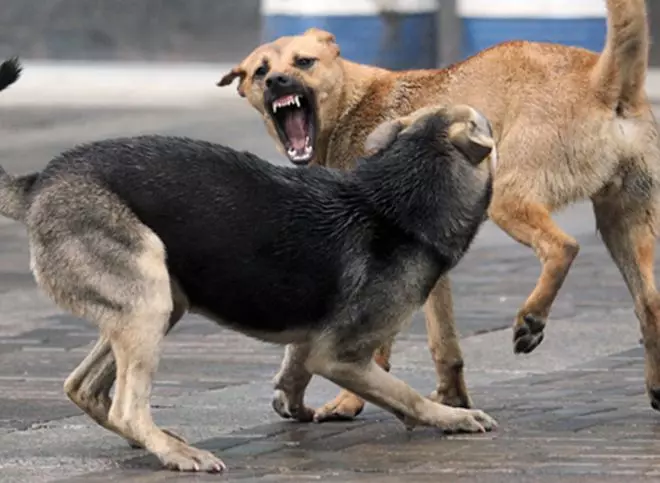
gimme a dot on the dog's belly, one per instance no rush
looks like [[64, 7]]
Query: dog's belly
[[290, 335], [252, 298]]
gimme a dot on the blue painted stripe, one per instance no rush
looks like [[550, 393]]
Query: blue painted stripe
[[406, 41], [481, 33]]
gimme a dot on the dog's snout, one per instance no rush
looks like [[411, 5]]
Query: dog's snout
[[277, 79]]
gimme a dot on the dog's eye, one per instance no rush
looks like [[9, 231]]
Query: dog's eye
[[305, 62], [261, 71]]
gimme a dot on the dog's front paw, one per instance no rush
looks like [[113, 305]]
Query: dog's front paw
[[283, 406], [470, 421], [527, 333], [181, 457]]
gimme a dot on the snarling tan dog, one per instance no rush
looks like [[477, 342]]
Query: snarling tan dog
[[570, 124]]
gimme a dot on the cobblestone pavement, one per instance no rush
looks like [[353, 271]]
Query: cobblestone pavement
[[573, 411]]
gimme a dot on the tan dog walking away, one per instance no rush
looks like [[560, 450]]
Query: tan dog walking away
[[570, 125]]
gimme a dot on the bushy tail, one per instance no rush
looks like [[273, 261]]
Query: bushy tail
[[620, 73], [13, 190]]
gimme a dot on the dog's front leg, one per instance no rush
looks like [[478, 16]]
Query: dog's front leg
[[444, 346], [290, 384], [374, 384]]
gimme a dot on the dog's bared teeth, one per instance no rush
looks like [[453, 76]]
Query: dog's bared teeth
[[274, 108], [296, 99]]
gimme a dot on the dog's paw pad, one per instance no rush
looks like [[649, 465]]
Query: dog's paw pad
[[528, 334]]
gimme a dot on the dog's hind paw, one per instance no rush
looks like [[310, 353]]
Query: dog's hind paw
[[527, 333], [282, 405], [345, 407]]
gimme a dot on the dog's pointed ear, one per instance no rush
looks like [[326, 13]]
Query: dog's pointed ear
[[471, 133], [229, 77], [383, 136], [324, 37]]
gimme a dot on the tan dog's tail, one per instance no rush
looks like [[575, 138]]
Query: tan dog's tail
[[620, 74]]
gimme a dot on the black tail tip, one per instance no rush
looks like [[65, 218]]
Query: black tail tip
[[10, 71]]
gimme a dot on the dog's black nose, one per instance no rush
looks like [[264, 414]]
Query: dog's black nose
[[276, 79]]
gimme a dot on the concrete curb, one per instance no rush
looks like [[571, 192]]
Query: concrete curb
[[152, 84]]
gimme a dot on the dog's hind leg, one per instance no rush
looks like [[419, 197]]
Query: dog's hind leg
[[88, 386], [444, 346], [371, 382], [136, 335], [99, 262], [90, 383], [347, 405], [290, 384], [628, 224]]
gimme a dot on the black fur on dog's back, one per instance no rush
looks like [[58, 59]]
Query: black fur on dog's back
[[269, 248]]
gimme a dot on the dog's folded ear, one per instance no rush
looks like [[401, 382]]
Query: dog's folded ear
[[471, 133], [383, 136], [324, 37], [229, 77]]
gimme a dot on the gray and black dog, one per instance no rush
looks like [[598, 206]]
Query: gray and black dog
[[132, 233]]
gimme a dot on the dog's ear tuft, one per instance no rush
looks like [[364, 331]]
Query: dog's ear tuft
[[229, 77], [471, 133], [383, 136], [324, 37]]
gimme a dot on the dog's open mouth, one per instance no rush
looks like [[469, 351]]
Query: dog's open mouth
[[294, 119]]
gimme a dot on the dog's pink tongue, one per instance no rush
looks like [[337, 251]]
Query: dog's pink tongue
[[294, 125]]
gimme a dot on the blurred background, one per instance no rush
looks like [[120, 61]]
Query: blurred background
[[395, 33]]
